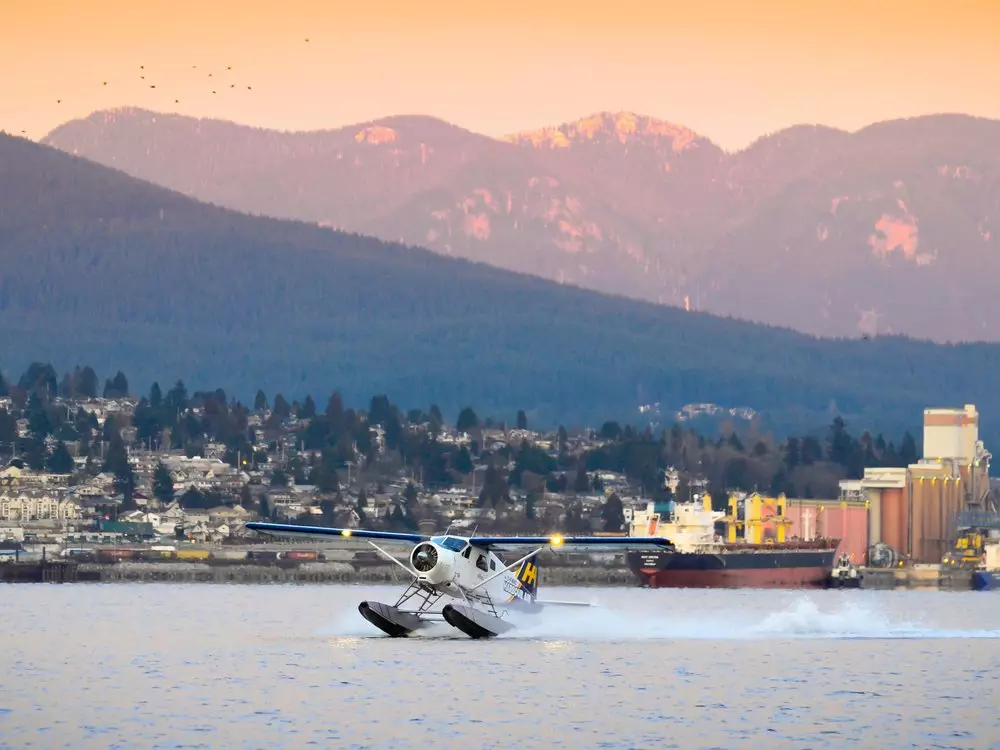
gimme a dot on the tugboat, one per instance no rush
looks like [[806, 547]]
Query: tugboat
[[986, 576], [845, 575]]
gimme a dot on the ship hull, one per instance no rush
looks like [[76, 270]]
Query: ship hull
[[770, 569]]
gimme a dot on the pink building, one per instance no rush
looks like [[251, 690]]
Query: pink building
[[831, 519]]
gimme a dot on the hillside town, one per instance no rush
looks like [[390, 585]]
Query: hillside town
[[83, 468]]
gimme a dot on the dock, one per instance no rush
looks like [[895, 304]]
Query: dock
[[917, 577]]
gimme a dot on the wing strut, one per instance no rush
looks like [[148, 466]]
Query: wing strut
[[387, 556]]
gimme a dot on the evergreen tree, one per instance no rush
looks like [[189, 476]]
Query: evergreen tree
[[610, 431], [308, 408], [39, 425], [613, 513], [155, 396], [163, 484], [281, 408], [462, 461], [40, 379], [4, 388], [467, 420], [335, 409], [908, 450], [177, 398], [61, 462], [86, 387], [260, 401], [8, 429], [522, 420], [116, 387], [410, 496], [193, 498], [117, 463], [36, 454]]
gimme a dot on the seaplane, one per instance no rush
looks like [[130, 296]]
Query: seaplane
[[481, 590]]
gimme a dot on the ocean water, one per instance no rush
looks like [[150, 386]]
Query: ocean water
[[216, 666]]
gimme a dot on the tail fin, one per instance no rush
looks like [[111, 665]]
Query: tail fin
[[527, 577]]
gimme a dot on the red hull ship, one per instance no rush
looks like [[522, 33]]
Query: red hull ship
[[701, 558], [788, 565]]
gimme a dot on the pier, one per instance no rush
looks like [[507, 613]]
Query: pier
[[43, 571]]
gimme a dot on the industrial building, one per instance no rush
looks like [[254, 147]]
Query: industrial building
[[915, 510]]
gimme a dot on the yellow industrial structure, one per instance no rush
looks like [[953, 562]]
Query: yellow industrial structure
[[763, 519]]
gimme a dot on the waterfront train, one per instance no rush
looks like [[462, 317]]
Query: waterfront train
[[171, 553]]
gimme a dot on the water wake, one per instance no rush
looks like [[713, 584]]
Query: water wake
[[801, 619], [798, 618]]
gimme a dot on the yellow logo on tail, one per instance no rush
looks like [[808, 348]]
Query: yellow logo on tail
[[530, 573]]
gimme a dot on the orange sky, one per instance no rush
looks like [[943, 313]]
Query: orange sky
[[731, 70]]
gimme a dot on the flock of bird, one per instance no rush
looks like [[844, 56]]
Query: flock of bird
[[142, 77]]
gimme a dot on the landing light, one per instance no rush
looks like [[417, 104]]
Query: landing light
[[345, 532], [556, 540]]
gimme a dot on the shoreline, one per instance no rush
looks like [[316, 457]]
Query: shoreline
[[315, 572], [342, 572]]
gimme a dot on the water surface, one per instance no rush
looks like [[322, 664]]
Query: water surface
[[217, 666]]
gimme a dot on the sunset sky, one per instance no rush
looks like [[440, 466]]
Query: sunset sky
[[729, 70]]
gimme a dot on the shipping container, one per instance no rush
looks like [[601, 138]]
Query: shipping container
[[300, 555], [115, 554], [229, 554], [262, 555], [193, 554]]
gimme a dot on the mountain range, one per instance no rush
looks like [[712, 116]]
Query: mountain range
[[889, 230], [100, 268]]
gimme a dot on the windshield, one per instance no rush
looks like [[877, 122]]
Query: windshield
[[451, 542]]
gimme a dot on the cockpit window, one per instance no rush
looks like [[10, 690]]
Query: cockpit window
[[481, 562], [450, 542]]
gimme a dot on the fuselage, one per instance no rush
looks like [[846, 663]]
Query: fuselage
[[452, 566]]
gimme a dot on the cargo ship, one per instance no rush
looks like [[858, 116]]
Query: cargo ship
[[709, 551]]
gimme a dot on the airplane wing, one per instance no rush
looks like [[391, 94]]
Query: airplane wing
[[558, 540], [326, 532]]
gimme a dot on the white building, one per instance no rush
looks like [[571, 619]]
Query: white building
[[29, 505]]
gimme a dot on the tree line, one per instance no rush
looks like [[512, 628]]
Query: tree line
[[383, 440]]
